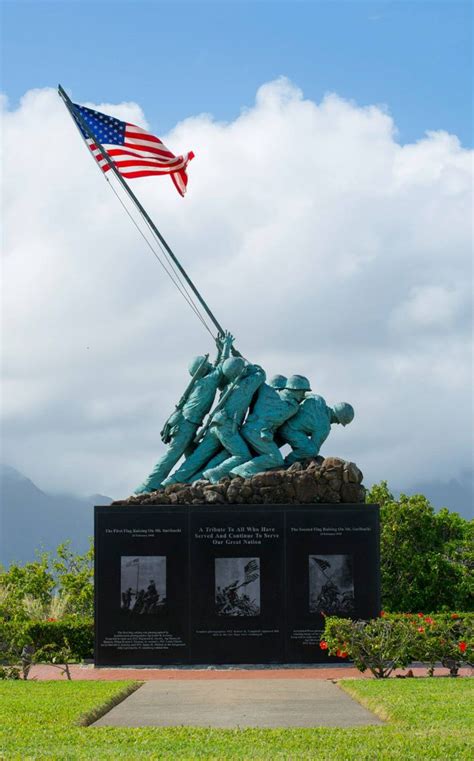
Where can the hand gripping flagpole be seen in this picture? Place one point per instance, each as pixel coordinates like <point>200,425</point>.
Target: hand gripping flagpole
<point>76,116</point>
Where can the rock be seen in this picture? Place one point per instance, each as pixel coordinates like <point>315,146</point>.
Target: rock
<point>269,478</point>
<point>352,493</point>
<point>185,496</point>
<point>351,473</point>
<point>331,480</point>
<point>213,497</point>
<point>274,495</point>
<point>233,495</point>
<point>314,463</point>
<point>173,488</point>
<point>332,462</point>
<point>222,486</point>
<point>233,490</point>
<point>197,491</point>
<point>329,495</point>
<point>296,467</point>
<point>306,488</point>
<point>289,489</point>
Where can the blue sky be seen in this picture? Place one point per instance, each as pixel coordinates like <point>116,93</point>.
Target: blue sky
<point>381,232</point>
<point>183,58</point>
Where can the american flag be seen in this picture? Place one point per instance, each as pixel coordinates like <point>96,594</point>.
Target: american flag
<point>135,152</point>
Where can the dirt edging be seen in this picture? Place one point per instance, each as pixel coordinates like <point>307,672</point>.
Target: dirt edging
<point>95,714</point>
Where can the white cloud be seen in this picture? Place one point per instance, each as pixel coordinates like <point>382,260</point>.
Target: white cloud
<point>327,247</point>
<point>431,306</point>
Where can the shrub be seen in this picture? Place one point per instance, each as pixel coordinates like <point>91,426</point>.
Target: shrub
<point>427,557</point>
<point>443,637</point>
<point>51,637</point>
<point>379,645</point>
<point>57,642</point>
<point>51,586</point>
<point>13,638</point>
<point>394,640</point>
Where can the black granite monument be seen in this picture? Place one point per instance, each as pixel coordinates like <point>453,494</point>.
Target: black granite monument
<point>198,584</point>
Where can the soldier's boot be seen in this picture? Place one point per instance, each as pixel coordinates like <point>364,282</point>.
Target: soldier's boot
<point>215,474</point>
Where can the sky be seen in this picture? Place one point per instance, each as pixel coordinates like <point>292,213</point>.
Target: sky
<point>180,59</point>
<point>327,223</point>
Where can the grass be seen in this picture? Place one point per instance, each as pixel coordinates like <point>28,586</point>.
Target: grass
<point>427,718</point>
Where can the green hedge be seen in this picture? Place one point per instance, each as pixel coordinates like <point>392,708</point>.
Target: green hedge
<point>78,634</point>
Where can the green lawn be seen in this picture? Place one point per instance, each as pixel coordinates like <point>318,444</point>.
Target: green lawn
<point>427,719</point>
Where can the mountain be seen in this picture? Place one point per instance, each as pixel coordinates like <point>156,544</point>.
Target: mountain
<point>31,519</point>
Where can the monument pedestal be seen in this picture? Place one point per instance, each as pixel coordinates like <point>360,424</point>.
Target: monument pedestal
<point>202,584</point>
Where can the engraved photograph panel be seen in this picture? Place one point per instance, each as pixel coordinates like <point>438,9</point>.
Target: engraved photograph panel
<point>143,584</point>
<point>331,585</point>
<point>237,586</point>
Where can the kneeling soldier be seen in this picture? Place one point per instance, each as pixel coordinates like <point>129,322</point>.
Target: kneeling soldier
<point>309,428</point>
<point>273,407</point>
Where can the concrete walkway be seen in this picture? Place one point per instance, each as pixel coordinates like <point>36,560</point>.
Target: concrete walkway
<point>231,703</point>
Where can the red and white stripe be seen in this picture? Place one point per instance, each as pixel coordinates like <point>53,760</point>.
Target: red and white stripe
<point>142,155</point>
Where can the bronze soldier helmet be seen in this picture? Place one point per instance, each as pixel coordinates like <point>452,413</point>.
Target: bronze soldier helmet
<point>298,383</point>
<point>344,412</point>
<point>278,381</point>
<point>196,362</point>
<point>232,367</point>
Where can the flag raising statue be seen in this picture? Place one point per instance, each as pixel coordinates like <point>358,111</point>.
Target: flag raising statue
<point>216,447</point>
<point>133,150</point>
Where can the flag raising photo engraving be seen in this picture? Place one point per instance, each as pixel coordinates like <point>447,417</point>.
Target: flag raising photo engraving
<point>134,151</point>
<point>331,585</point>
<point>237,586</point>
<point>143,584</point>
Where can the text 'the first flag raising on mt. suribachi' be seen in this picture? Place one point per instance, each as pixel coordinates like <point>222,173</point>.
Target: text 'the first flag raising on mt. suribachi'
<point>134,152</point>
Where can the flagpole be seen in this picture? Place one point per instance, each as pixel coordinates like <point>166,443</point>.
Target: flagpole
<point>76,116</point>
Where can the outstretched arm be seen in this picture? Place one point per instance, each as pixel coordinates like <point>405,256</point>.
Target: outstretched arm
<point>224,348</point>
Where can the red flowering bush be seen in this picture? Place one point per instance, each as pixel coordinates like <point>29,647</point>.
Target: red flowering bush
<point>380,645</point>
<point>446,638</point>
<point>396,639</point>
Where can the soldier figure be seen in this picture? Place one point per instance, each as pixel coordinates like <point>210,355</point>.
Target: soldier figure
<point>310,427</point>
<point>180,429</point>
<point>244,380</point>
<point>139,602</point>
<point>127,598</point>
<point>151,597</point>
<point>272,408</point>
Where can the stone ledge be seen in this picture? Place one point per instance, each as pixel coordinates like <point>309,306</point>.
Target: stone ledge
<point>326,480</point>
